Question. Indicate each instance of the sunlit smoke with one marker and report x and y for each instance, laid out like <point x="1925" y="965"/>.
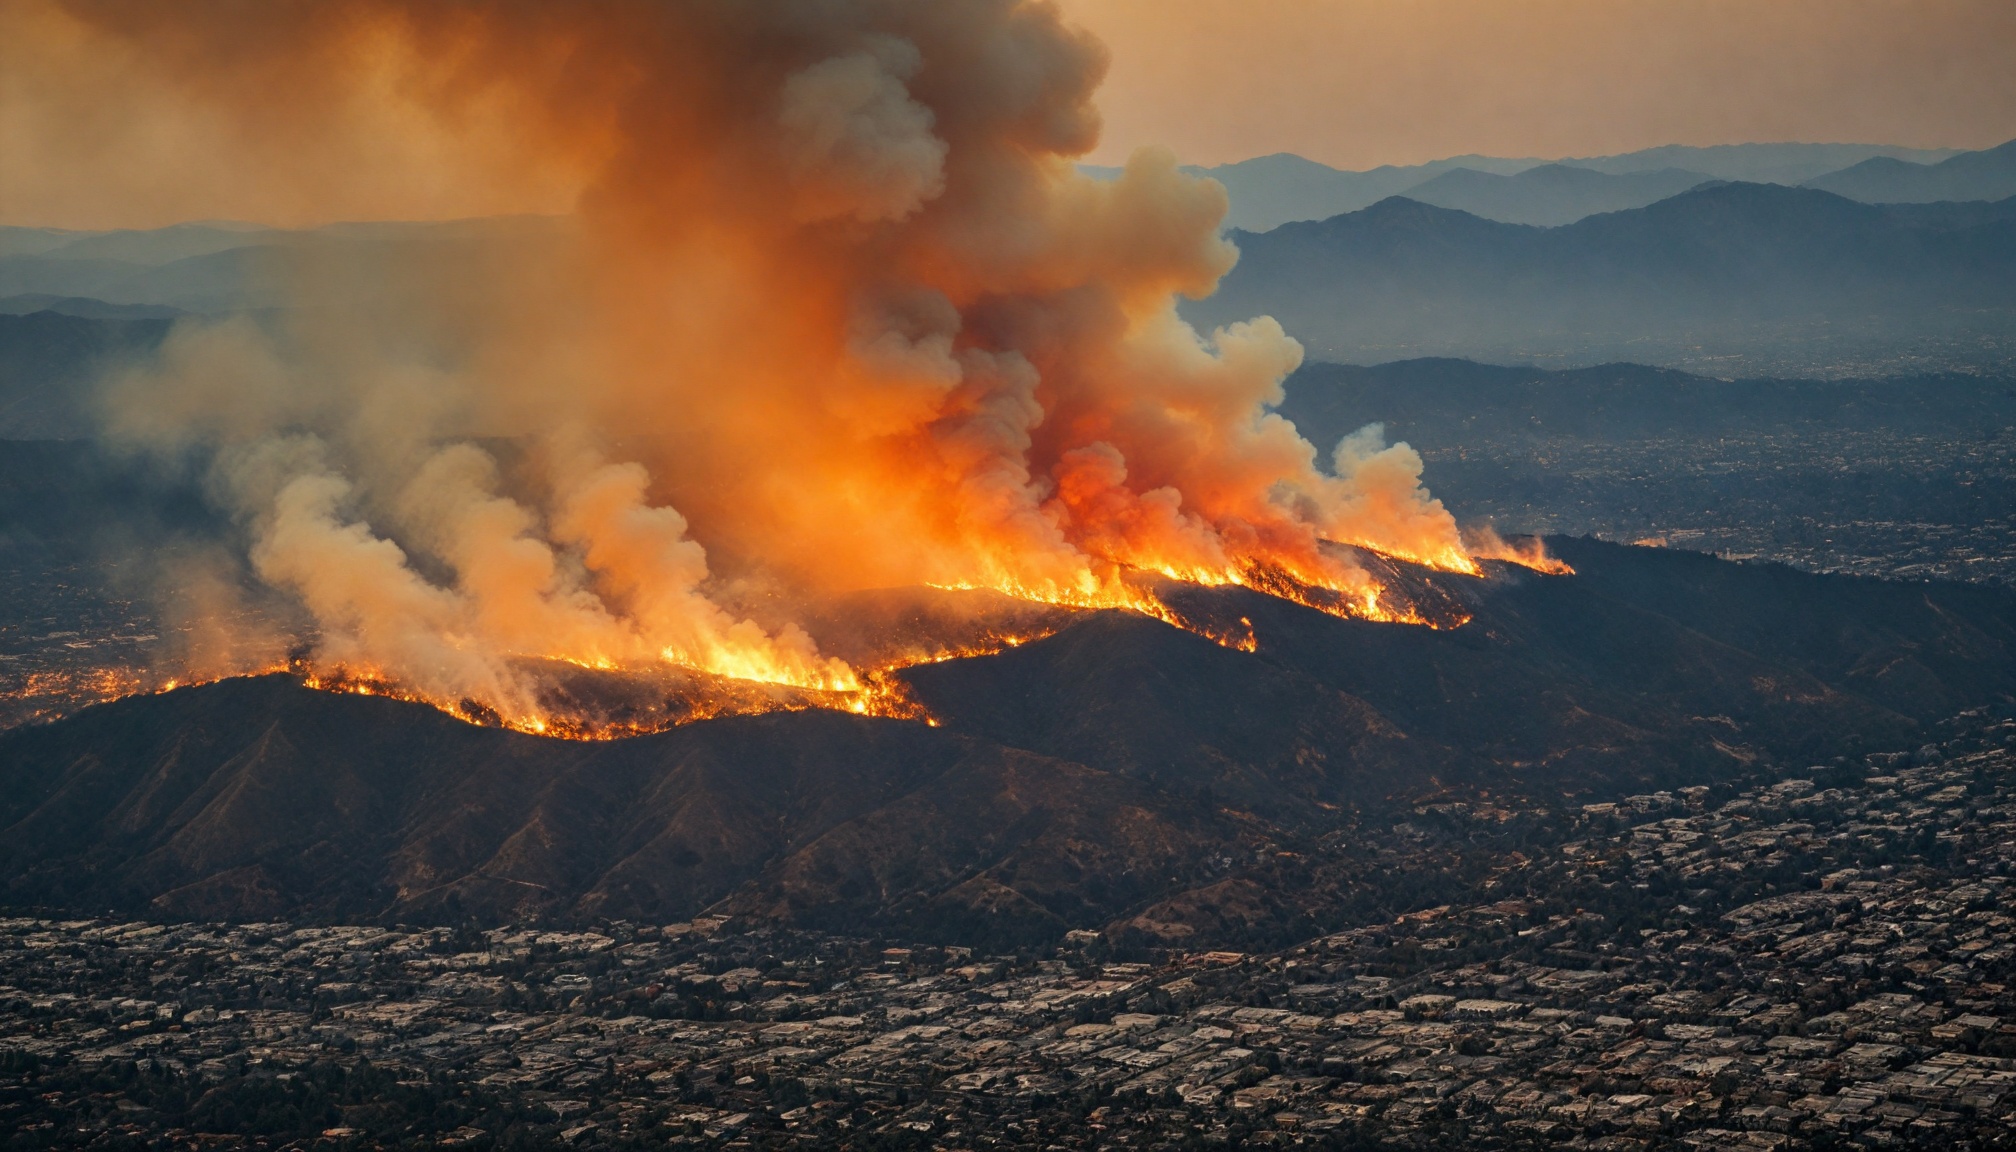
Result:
<point x="831" y="308"/>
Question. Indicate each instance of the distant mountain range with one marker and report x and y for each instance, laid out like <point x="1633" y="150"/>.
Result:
<point x="1272" y="190"/>
<point x="1756" y="163"/>
<point x="217" y="267"/>
<point x="83" y="307"/>
<point x="1792" y="278"/>
<point x="1653" y="257"/>
<point x="1986" y="175"/>
<point x="1119" y="764"/>
<point x="228" y="267"/>
<point x="1552" y="194"/>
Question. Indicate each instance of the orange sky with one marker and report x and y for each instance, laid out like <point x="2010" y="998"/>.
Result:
<point x="91" y="135"/>
<point x="1358" y="83"/>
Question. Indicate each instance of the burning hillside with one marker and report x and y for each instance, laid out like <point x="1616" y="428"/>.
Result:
<point x="832" y="309"/>
<point x="880" y="636"/>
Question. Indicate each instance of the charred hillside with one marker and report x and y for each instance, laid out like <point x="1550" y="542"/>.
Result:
<point x="1115" y="766"/>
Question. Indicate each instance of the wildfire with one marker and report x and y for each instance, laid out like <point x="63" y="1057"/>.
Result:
<point x="569" y="712"/>
<point x="820" y="289"/>
<point x="1119" y="594"/>
<point x="876" y="693"/>
<point x="595" y="697"/>
<point x="1352" y="595"/>
<point x="1526" y="552"/>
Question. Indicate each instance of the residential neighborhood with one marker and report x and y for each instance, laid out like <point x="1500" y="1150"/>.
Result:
<point x="1629" y="988"/>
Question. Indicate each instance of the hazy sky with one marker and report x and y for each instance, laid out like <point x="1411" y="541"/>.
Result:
<point x="1358" y="83"/>
<point x="98" y="129"/>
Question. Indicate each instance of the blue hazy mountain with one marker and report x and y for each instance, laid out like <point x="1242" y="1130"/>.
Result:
<point x="1757" y="163"/>
<point x="1551" y="194"/>
<point x="83" y="307"/>
<point x="223" y="266"/>
<point x="1268" y="191"/>
<point x="1794" y="279"/>
<point x="228" y="267"/>
<point x="147" y="246"/>
<point x="1986" y="175"/>
<point x="1272" y="190"/>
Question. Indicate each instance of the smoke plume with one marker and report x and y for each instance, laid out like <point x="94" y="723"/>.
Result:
<point x="830" y="307"/>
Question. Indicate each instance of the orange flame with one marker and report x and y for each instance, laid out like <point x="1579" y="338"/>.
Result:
<point x="1525" y="551"/>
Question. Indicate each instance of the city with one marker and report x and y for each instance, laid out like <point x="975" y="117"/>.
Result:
<point x="1821" y="956"/>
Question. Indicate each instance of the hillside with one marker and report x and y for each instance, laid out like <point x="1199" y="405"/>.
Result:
<point x="48" y="360"/>
<point x="1074" y="780"/>
<point x="1552" y="194"/>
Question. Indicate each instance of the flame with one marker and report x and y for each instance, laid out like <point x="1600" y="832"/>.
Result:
<point x="1531" y="553"/>
<point x="877" y="691"/>
<point x="1525" y="551"/>
<point x="1341" y="591"/>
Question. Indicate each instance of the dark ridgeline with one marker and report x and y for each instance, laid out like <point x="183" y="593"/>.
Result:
<point x="1117" y="764"/>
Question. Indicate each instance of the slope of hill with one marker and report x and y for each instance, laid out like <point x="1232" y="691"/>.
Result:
<point x="1783" y="276"/>
<point x="1986" y="175"/>
<point x="1117" y="764"/>
<point x="83" y="307"/>
<point x="1757" y="163"/>
<point x="47" y="360"/>
<point x="146" y="247"/>
<point x="1271" y="190"/>
<point x="230" y="279"/>
<point x="234" y="267"/>
<point x="1268" y="191"/>
<point x="1552" y="194"/>
<point x="256" y="797"/>
<point x="16" y="240"/>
